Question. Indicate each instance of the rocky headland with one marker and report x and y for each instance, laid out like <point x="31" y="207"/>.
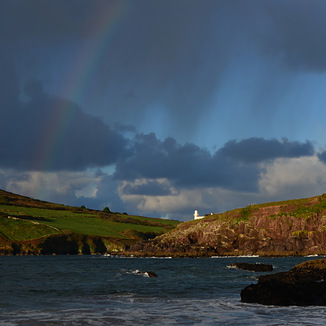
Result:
<point x="303" y="285"/>
<point x="290" y="228"/>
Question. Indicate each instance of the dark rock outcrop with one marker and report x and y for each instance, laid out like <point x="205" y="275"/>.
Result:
<point x="253" y="267"/>
<point x="58" y="244"/>
<point x="303" y="285"/>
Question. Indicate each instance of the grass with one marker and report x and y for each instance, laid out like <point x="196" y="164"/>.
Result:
<point x="26" y="223"/>
<point x="299" y="208"/>
<point x="18" y="230"/>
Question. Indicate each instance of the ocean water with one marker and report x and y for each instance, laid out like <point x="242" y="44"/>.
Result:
<point x="102" y="290"/>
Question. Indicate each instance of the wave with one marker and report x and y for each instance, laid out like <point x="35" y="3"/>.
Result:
<point x="231" y="266"/>
<point x="315" y="255"/>
<point x="138" y="272"/>
<point x="156" y="257"/>
<point x="241" y="256"/>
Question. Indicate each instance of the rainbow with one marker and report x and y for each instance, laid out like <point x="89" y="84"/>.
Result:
<point x="62" y="116"/>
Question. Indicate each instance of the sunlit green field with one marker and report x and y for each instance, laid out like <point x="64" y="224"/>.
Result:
<point x="19" y="223"/>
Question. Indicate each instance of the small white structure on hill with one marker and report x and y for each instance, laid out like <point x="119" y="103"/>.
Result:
<point x="196" y="216"/>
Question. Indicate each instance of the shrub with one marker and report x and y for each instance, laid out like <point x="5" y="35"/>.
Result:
<point x="106" y="210"/>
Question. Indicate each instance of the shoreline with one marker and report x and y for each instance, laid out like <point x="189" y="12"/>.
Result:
<point x="148" y="255"/>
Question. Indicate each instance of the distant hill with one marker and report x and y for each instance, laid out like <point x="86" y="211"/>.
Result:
<point x="31" y="226"/>
<point x="293" y="227"/>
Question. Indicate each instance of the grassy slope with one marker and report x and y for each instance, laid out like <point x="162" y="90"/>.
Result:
<point x="301" y="208"/>
<point x="23" y="218"/>
<point x="288" y="224"/>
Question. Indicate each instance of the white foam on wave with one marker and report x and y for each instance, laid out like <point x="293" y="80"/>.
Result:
<point x="243" y="256"/>
<point x="156" y="257"/>
<point x="230" y="266"/>
<point x="137" y="272"/>
<point x="315" y="256"/>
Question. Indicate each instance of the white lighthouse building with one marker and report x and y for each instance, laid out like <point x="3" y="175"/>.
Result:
<point x="196" y="216"/>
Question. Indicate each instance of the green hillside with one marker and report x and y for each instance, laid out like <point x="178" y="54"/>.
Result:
<point x="26" y="224"/>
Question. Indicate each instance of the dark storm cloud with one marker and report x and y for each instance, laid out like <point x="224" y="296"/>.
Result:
<point x="259" y="149"/>
<point x="47" y="21"/>
<point x="168" y="54"/>
<point x="50" y="133"/>
<point x="164" y="53"/>
<point x="235" y="166"/>
<point x="184" y="53"/>
<point x="298" y="33"/>
<point x="153" y="158"/>
<point x="151" y="55"/>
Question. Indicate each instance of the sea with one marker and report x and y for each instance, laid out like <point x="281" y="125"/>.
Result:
<point x="105" y="290"/>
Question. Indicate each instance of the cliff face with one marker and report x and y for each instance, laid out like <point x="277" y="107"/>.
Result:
<point x="288" y="228"/>
<point x="59" y="244"/>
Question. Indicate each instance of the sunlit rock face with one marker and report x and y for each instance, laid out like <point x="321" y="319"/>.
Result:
<point x="289" y="228"/>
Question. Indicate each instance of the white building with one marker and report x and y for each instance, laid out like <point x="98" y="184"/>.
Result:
<point x="196" y="216"/>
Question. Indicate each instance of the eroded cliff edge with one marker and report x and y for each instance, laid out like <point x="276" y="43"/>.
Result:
<point x="295" y="227"/>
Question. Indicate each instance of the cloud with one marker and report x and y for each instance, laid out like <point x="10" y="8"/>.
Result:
<point x="38" y="20"/>
<point x="283" y="178"/>
<point x="322" y="156"/>
<point x="102" y="192"/>
<point x="144" y="69"/>
<point x="193" y="73"/>
<point x="258" y="149"/>
<point x="174" y="205"/>
<point x="51" y="133"/>
<point x="279" y="179"/>
<point x="58" y="187"/>
<point x="234" y="166"/>
<point x="9" y="90"/>
<point x="299" y="177"/>
<point x="172" y="68"/>
<point x="298" y="31"/>
<point x="153" y="158"/>
<point x="146" y="187"/>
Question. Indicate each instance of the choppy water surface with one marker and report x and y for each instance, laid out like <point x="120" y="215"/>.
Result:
<point x="100" y="290"/>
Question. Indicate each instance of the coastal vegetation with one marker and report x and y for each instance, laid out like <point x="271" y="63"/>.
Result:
<point x="285" y="228"/>
<point x="29" y="226"/>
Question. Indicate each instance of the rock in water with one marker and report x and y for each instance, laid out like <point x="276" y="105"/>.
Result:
<point x="253" y="267"/>
<point x="151" y="274"/>
<point x="303" y="285"/>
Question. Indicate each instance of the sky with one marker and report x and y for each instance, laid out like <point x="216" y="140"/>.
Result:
<point x="162" y="107"/>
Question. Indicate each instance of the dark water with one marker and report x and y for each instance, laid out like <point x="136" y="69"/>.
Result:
<point x="99" y="290"/>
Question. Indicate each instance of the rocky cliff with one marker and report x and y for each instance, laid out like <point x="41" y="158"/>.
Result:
<point x="295" y="227"/>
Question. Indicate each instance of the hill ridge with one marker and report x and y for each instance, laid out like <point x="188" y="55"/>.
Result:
<point x="32" y="226"/>
<point x="291" y="227"/>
